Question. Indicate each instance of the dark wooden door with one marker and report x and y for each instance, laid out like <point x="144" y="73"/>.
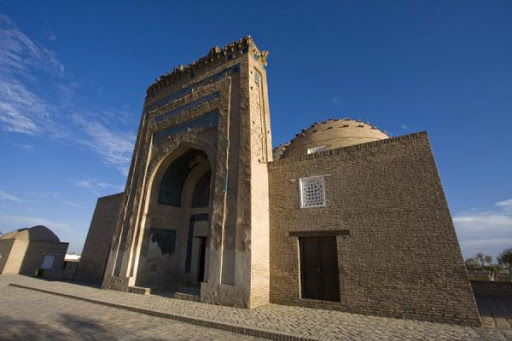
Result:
<point x="202" y="259"/>
<point x="319" y="268"/>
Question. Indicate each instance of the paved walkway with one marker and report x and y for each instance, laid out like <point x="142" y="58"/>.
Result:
<point x="275" y="320"/>
<point x="495" y="313"/>
<point x="27" y="315"/>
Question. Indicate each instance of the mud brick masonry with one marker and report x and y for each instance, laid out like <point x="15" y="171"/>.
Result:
<point x="342" y="217"/>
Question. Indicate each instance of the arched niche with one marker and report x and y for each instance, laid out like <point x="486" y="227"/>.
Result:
<point x="180" y="193"/>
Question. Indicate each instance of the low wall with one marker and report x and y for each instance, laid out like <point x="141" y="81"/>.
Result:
<point x="492" y="289"/>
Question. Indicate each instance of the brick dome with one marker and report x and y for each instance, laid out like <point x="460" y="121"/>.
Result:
<point x="38" y="233"/>
<point x="332" y="134"/>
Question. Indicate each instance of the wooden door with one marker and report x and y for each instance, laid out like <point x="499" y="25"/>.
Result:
<point x="319" y="268"/>
<point x="202" y="259"/>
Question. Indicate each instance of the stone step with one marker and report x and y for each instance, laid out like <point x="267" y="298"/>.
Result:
<point x="139" y="290"/>
<point x="187" y="297"/>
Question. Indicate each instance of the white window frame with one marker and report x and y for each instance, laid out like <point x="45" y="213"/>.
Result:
<point x="301" y="181"/>
<point x="314" y="150"/>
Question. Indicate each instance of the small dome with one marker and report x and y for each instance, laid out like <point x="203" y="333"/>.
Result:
<point x="279" y="150"/>
<point x="332" y="134"/>
<point x="37" y="233"/>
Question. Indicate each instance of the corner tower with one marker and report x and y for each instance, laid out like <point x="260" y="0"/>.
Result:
<point x="195" y="208"/>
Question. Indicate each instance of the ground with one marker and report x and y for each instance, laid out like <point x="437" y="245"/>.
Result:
<point x="30" y="314"/>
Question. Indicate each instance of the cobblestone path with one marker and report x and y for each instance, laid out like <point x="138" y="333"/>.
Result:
<point x="303" y="322"/>
<point x="495" y="313"/>
<point x="29" y="315"/>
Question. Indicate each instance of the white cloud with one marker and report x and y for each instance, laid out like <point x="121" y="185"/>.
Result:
<point x="20" y="54"/>
<point x="25" y="147"/>
<point x="404" y="126"/>
<point x="14" y="222"/>
<point x="70" y="203"/>
<point x="505" y="205"/>
<point x="115" y="147"/>
<point x="51" y="36"/>
<point x="97" y="187"/>
<point x="488" y="232"/>
<point x="24" y="109"/>
<point x="9" y="197"/>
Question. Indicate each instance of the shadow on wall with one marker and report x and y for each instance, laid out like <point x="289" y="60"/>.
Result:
<point x="34" y="256"/>
<point x="68" y="327"/>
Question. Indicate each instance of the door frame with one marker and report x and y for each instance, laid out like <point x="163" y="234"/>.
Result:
<point x="318" y="239"/>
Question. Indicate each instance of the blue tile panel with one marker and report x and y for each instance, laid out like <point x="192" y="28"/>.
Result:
<point x="187" y="106"/>
<point x="185" y="91"/>
<point x="208" y="119"/>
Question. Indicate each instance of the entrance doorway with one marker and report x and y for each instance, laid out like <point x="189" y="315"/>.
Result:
<point x="319" y="268"/>
<point x="202" y="259"/>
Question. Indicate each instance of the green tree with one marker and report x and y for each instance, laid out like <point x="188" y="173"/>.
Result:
<point x="505" y="258"/>
<point x="483" y="259"/>
<point x="472" y="264"/>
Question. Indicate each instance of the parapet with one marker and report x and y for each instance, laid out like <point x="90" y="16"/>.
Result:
<point x="214" y="56"/>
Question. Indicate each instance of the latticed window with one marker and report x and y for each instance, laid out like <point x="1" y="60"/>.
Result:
<point x="312" y="192"/>
<point x="316" y="149"/>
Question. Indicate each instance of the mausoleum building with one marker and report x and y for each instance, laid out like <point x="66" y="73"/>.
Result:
<point x="342" y="217"/>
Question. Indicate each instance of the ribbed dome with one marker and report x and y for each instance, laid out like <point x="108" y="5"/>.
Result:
<point x="332" y="134"/>
<point x="37" y="233"/>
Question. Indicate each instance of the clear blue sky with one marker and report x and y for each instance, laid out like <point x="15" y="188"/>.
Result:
<point x="73" y="76"/>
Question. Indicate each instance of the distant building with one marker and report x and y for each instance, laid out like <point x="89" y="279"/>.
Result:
<point x="72" y="258"/>
<point x="25" y="250"/>
<point x="341" y="217"/>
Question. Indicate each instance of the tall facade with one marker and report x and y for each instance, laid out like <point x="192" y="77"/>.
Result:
<point x="196" y="203"/>
<point x="341" y="217"/>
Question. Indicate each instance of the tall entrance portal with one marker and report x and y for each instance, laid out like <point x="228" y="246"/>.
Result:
<point x="195" y="208"/>
<point x="173" y="250"/>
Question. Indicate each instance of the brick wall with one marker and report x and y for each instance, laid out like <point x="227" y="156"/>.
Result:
<point x="33" y="258"/>
<point x="398" y="254"/>
<point x="492" y="289"/>
<point x="97" y="245"/>
<point x="5" y="250"/>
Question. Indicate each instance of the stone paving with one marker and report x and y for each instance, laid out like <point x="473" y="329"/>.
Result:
<point x="495" y="313"/>
<point x="295" y="321"/>
<point x="30" y="315"/>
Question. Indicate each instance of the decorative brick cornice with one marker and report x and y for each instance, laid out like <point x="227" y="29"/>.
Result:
<point x="311" y="129"/>
<point x="228" y="52"/>
<point x="343" y="150"/>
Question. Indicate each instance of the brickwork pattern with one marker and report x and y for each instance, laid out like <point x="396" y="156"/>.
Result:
<point x="492" y="289"/>
<point x="388" y="195"/>
<point x="5" y="250"/>
<point x="97" y="245"/>
<point x="25" y="256"/>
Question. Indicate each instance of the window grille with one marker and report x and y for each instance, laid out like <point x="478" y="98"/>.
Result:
<point x="312" y="192"/>
<point x="316" y="149"/>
